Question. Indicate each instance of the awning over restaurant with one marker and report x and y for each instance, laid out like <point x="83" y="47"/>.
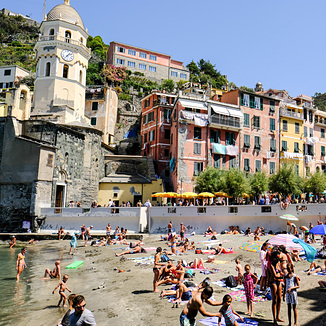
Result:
<point x="220" y="109"/>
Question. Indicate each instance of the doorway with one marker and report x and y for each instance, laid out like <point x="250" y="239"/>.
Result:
<point x="137" y="198"/>
<point x="60" y="198"/>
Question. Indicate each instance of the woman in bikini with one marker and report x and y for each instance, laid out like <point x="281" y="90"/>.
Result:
<point x="156" y="268"/>
<point x="174" y="243"/>
<point x="275" y="276"/>
<point x="285" y="258"/>
<point x="20" y="264"/>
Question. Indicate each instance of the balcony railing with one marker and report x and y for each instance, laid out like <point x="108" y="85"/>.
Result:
<point x="287" y="113"/>
<point x="225" y="120"/>
<point x="162" y="102"/>
<point x="63" y="39"/>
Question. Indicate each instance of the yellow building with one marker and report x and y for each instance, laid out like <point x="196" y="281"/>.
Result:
<point x="292" y="136"/>
<point x="127" y="187"/>
<point x="129" y="178"/>
<point x="3" y="109"/>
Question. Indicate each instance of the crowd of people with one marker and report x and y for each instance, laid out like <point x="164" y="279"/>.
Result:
<point x="277" y="273"/>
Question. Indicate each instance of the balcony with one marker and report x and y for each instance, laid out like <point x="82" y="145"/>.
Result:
<point x="287" y="113"/>
<point x="63" y="39"/>
<point x="223" y="120"/>
<point x="320" y="121"/>
<point x="162" y="102"/>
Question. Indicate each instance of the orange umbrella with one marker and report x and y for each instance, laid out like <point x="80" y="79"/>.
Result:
<point x="170" y="195"/>
<point x="206" y="195"/>
<point x="188" y="195"/>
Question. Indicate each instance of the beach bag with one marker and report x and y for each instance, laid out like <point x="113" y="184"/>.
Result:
<point x="190" y="284"/>
<point x="230" y="282"/>
<point x="164" y="258"/>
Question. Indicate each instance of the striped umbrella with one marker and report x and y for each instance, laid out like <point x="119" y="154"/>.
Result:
<point x="289" y="217"/>
<point x="286" y="240"/>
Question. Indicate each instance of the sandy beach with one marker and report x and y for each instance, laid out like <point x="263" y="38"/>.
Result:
<point x="123" y="298"/>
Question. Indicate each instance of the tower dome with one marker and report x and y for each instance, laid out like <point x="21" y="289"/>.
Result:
<point x="66" y="13"/>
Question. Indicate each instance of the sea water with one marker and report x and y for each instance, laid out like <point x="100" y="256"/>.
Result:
<point x="18" y="300"/>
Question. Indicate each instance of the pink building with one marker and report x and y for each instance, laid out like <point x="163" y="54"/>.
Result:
<point x="155" y="131"/>
<point x="259" y="138"/>
<point x="203" y="132"/>
<point x="153" y="65"/>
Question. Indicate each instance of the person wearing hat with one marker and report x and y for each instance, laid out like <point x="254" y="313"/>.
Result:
<point x="73" y="242"/>
<point x="88" y="234"/>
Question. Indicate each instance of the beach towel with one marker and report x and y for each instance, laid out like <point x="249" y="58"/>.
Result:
<point x="213" y="321"/>
<point x="309" y="250"/>
<point x="239" y="295"/>
<point x="222" y="284"/>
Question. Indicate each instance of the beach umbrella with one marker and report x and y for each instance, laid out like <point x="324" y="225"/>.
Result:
<point x="245" y="195"/>
<point x="319" y="229"/>
<point x="289" y="217"/>
<point x="158" y="194"/>
<point x="253" y="246"/>
<point x="188" y="195"/>
<point x="285" y="240"/>
<point x="206" y="195"/>
<point x="170" y="195"/>
<point x="221" y="194"/>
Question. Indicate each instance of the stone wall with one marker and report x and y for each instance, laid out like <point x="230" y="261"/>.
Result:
<point x="129" y="118"/>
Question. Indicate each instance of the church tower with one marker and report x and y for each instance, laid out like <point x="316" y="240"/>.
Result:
<point x="62" y="60"/>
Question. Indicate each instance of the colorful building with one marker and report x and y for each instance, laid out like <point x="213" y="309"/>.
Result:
<point x="154" y="65"/>
<point x="320" y="145"/>
<point x="203" y="132"/>
<point x="101" y="106"/>
<point x="155" y="131"/>
<point x="259" y="137"/>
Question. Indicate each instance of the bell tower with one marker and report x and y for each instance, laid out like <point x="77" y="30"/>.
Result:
<point x="62" y="60"/>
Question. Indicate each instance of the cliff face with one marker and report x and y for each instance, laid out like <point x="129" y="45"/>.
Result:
<point x="127" y="132"/>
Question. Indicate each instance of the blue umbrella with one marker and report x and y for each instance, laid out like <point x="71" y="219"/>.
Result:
<point x="319" y="229"/>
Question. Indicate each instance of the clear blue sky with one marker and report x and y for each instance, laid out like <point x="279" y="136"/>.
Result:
<point x="280" y="43"/>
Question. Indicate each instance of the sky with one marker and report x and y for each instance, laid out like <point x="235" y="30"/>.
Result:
<point x="279" y="43"/>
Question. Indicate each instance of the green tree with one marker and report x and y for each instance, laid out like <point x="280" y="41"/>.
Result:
<point x="193" y="68"/>
<point x="286" y="181"/>
<point x="211" y="180"/>
<point x="315" y="183"/>
<point x="168" y="84"/>
<point x="244" y="88"/>
<point x="236" y="183"/>
<point x="320" y="101"/>
<point x="258" y="183"/>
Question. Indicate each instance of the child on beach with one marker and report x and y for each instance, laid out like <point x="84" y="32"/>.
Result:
<point x="12" y="242"/>
<point x="73" y="243"/>
<point x="62" y="287"/>
<point x="228" y="313"/>
<point x="248" y="282"/>
<point x="56" y="271"/>
<point x="291" y="286"/>
<point x="239" y="269"/>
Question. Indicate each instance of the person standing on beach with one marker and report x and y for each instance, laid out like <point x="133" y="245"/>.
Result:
<point x="183" y="229"/>
<point x="88" y="234"/>
<point x="83" y="230"/>
<point x="81" y="316"/>
<point x="73" y="243"/>
<point x="170" y="229"/>
<point x="189" y="313"/>
<point x="20" y="263"/>
<point x="62" y="287"/>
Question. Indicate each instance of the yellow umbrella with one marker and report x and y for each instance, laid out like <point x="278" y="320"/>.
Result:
<point x="206" y="194"/>
<point x="188" y="195"/>
<point x="245" y="195"/>
<point x="221" y="194"/>
<point x="158" y="194"/>
<point x="170" y="195"/>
